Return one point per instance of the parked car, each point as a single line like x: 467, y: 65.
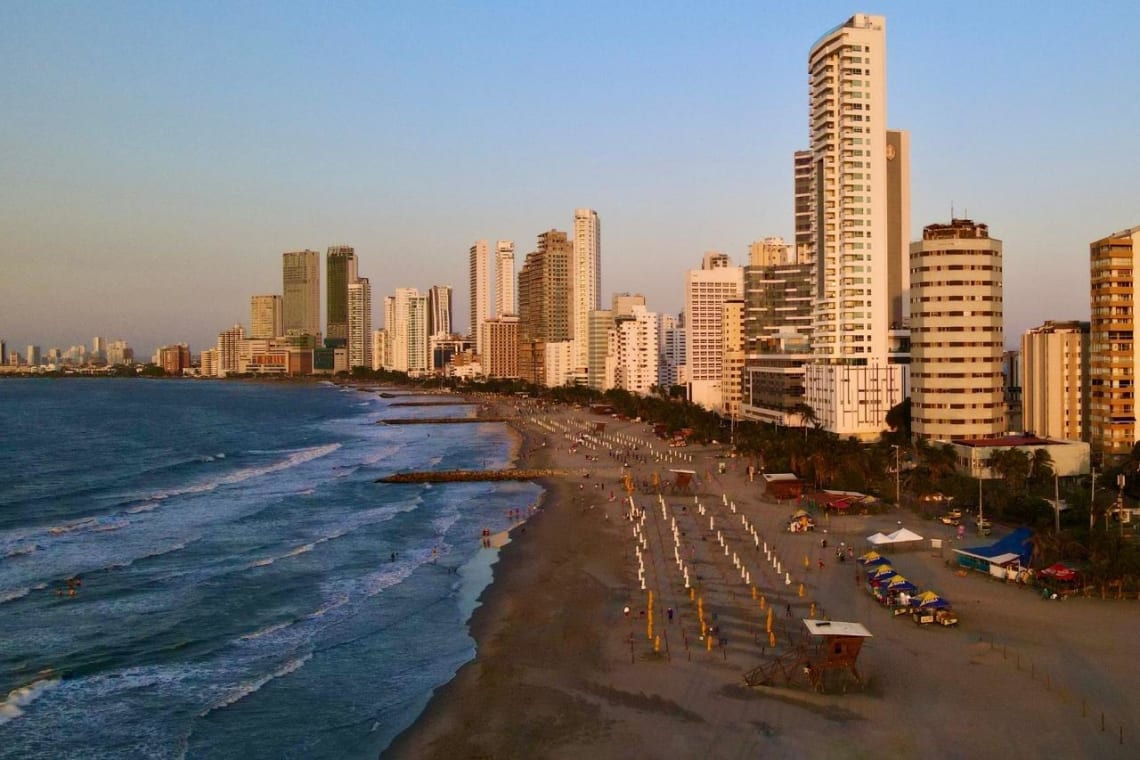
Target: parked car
x: 953, y: 517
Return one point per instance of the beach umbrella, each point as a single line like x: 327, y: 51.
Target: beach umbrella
x: 880, y: 562
x: 928, y: 599
x: 869, y: 557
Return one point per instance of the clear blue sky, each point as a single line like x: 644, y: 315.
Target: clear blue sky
x: 156, y: 158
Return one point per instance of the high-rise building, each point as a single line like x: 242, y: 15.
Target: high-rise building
x: 545, y: 307
x: 636, y: 350
x: 118, y: 352
x: 3, y: 353
x: 34, y: 358
x: 706, y: 290
x: 98, y: 349
x: 860, y: 211
x: 359, y: 323
x: 208, y: 362
x: 265, y: 317
x: 380, y: 349
x: 479, y: 289
x: 586, y: 279
x: 671, y: 368
x: 501, y: 347
x: 174, y: 359
x: 957, y: 384
x: 406, y: 322
x: 1114, y: 353
x: 301, y: 288
x: 340, y: 272
x: 505, y: 278
x: 769, y: 252
x: 732, y: 351
x: 229, y: 350
x: 804, y: 249
x: 439, y: 311
x: 1055, y: 391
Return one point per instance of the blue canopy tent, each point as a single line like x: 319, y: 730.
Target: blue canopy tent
x: 1014, y: 550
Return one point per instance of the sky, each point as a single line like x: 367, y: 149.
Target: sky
x: 156, y: 158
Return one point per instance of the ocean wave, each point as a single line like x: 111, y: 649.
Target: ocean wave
x: 305, y: 549
x: 249, y: 687
x: 267, y: 631
x: 149, y: 506
x: 21, y: 551
x: 337, y: 603
x: 11, y: 596
x: 11, y: 708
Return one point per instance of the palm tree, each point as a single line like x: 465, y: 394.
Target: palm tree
x: 1041, y: 466
x: 806, y: 414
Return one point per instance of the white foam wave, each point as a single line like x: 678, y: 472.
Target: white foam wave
x: 240, y: 476
x: 340, y: 601
x: 149, y: 506
x: 11, y: 596
x: 22, y: 551
x: 11, y: 708
x: 249, y: 687
x: 267, y: 631
x: 305, y: 549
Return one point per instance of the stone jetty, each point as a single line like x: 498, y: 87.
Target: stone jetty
x: 469, y: 476
x: 440, y: 420
x: 432, y: 403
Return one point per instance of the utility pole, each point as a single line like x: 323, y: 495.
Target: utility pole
x: 1056, y: 502
x: 898, y: 500
x: 1092, y: 500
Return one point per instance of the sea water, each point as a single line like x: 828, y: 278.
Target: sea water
x: 208, y: 569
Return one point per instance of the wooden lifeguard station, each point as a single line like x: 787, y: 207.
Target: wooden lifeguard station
x: 833, y: 647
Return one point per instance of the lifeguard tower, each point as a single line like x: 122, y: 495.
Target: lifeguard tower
x: 832, y: 649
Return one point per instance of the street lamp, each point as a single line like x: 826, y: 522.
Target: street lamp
x: 898, y: 500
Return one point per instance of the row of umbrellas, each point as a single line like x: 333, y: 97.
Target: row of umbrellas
x: 881, y: 574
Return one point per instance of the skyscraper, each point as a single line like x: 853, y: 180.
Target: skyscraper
x: 585, y: 281
x: 804, y: 245
x: 1114, y: 354
x: 359, y: 313
x: 340, y: 267
x: 706, y: 290
x: 544, y: 304
x: 265, y: 317
x: 406, y: 322
x: 480, y: 297
x: 439, y: 311
x: 957, y: 384
x: 301, y: 300
x: 505, y: 278
x: 229, y: 350
x: 851, y: 382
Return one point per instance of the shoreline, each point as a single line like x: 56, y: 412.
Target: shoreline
x: 559, y: 671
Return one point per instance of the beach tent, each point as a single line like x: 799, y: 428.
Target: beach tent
x: 900, y: 584
x: 1061, y: 572
x: 930, y: 600
x: 878, y: 539
x: 876, y: 562
x: 882, y: 574
x: 869, y: 557
x: 1013, y: 551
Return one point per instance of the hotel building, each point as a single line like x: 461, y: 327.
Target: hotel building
x: 1114, y: 354
x: 1054, y: 380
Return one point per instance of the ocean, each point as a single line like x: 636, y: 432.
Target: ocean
x: 207, y: 569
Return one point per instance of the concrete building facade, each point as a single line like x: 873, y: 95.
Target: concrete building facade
x: 301, y: 289
x: 1054, y: 385
x: 1114, y: 354
x: 265, y: 317
x: 479, y: 288
x: 706, y: 290
x: 585, y: 281
x: 340, y: 272
x: 359, y: 314
x: 956, y: 333
x: 505, y: 278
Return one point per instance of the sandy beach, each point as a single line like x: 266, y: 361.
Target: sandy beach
x: 563, y: 672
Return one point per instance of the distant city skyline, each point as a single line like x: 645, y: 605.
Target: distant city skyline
x: 151, y: 189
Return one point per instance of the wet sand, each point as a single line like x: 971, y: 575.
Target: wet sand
x: 562, y: 672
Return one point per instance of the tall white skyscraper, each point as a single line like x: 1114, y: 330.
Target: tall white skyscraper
x: 359, y: 323
x: 859, y: 228
x: 505, y: 278
x: 406, y: 321
x: 301, y: 300
x: 706, y: 290
x: 585, y: 281
x: 478, y: 264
